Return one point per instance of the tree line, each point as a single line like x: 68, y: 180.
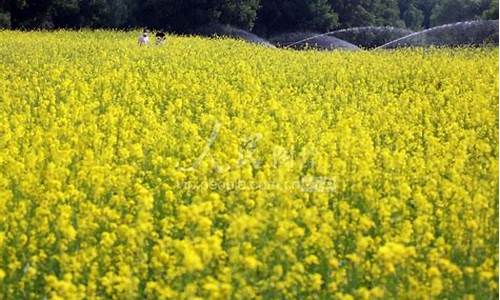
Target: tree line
x: 264, y: 17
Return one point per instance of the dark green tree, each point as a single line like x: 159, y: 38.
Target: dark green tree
x: 187, y: 15
x: 65, y: 13
x: 492, y: 12
x: 180, y: 16
x: 107, y: 13
x: 240, y: 13
x: 4, y: 15
x: 277, y: 16
x: 30, y: 14
x: 353, y: 13
x: 268, y: 16
x: 410, y: 14
x: 449, y: 11
x: 385, y: 13
x: 426, y: 7
x: 92, y: 13
x: 120, y: 13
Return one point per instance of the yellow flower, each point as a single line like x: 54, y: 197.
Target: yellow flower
x: 436, y: 287
x: 217, y: 169
x: 251, y: 262
x: 312, y: 260
x: 192, y: 261
x: 316, y: 282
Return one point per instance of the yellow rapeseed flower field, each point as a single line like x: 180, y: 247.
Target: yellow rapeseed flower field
x: 216, y: 169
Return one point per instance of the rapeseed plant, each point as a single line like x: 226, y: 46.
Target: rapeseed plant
x: 221, y: 170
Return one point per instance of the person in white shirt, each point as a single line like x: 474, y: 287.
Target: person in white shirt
x: 144, y: 38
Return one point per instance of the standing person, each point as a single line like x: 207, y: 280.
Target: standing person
x: 160, y: 37
x: 144, y: 38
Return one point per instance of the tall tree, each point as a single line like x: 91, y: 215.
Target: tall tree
x: 179, y: 16
x: 120, y: 13
x: 107, y: 13
x: 426, y: 7
x: 492, y: 12
x: 30, y: 14
x: 64, y: 13
x: 385, y: 13
x: 92, y: 13
x: 353, y: 13
x: 240, y: 13
x: 277, y: 16
x: 410, y: 14
x: 449, y: 11
x: 269, y: 16
x: 4, y: 15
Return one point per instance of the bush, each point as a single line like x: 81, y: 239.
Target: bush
x: 306, y: 40
x: 370, y: 36
x: 471, y: 33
